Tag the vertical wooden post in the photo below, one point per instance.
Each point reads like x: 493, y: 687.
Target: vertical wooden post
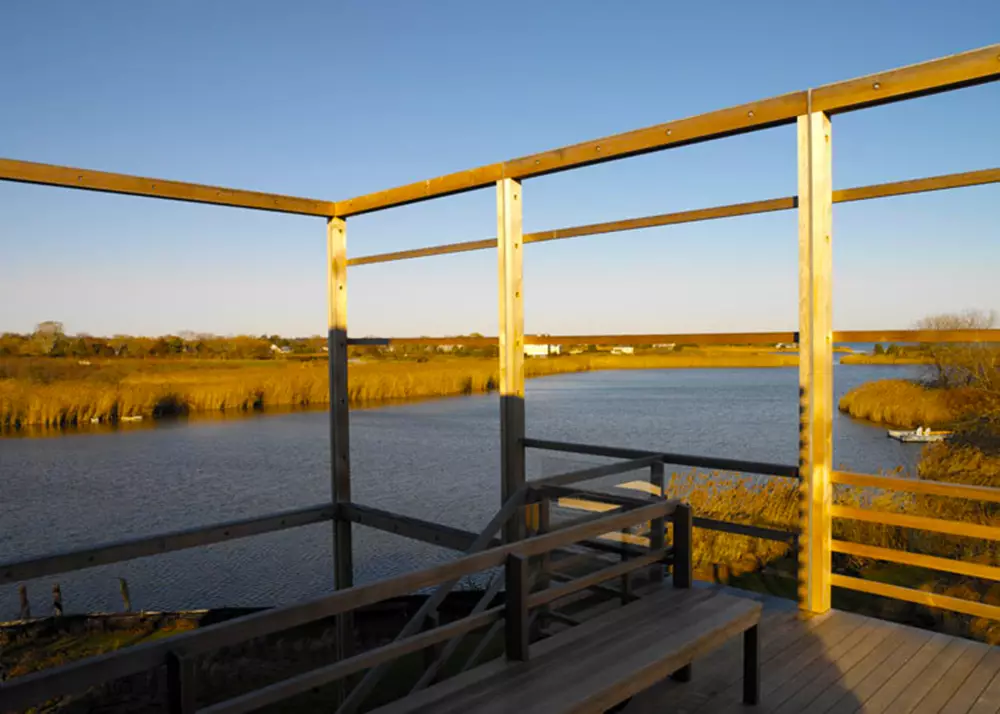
x: 815, y: 359
x: 511, y: 344
x: 22, y: 594
x: 683, y: 574
x: 126, y: 598
x: 57, y: 603
x: 658, y: 527
x: 340, y: 453
x: 180, y: 684
x: 543, y: 580
x: 516, y: 608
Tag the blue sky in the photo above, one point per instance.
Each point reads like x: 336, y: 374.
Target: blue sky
x: 335, y: 100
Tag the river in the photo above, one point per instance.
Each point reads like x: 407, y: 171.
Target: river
x: 434, y: 459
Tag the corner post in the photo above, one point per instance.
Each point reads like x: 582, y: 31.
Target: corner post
x: 340, y: 453
x: 815, y: 359
x: 511, y: 348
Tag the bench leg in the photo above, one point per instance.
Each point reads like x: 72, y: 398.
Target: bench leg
x: 751, y: 665
x: 682, y: 675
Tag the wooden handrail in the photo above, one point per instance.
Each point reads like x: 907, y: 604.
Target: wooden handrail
x: 919, y: 560
x: 933, y: 488
x: 938, y: 525
x: 920, y: 597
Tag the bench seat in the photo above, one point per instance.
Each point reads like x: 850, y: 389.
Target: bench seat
x: 604, y: 661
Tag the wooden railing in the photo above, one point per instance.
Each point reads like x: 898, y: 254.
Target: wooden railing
x: 921, y: 523
x: 178, y: 653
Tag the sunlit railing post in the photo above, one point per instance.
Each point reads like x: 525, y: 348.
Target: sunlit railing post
x: 815, y: 359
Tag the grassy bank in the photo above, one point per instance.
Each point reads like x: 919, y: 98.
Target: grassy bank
x: 906, y: 404
x: 64, y: 392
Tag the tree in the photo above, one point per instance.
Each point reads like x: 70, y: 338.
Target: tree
x: 969, y: 364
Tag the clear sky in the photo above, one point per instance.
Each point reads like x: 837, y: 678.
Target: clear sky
x: 330, y: 101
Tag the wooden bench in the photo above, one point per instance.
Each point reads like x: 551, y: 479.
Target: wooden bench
x: 604, y: 661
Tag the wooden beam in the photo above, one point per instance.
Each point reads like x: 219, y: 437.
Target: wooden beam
x: 116, y: 552
x: 846, y: 195
x: 815, y: 358
x: 88, y: 180
x: 917, y: 560
x: 511, y: 346
x: 903, y: 520
x: 920, y: 597
x: 912, y: 485
x: 938, y: 75
x: 933, y: 336
x: 411, y: 527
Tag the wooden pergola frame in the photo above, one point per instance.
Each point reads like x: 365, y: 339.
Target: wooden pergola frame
x: 811, y: 110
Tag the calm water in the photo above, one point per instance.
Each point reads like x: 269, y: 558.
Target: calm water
x: 437, y: 460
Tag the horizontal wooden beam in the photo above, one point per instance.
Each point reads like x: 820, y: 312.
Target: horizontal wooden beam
x: 920, y: 597
x: 911, y: 485
x: 847, y: 195
x: 744, y: 529
x: 710, y: 462
x: 902, y: 520
x: 945, y: 565
x: 700, y: 339
x: 411, y: 527
x: 938, y: 75
x: 103, y: 181
x: 130, y: 549
x: 930, y: 336
x: 593, y: 472
x: 587, y: 582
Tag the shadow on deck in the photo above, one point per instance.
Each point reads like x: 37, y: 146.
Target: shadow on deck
x: 838, y: 662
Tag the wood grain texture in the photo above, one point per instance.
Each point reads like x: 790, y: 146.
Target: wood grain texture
x: 944, y: 602
x: 904, y: 520
x: 947, y: 565
x: 931, y: 488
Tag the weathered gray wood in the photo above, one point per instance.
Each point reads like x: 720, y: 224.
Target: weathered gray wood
x: 910, y: 697
x: 709, y: 462
x: 952, y: 680
x: 180, y: 684
x: 615, y: 658
x: 907, y: 644
x: 713, y: 524
x: 989, y: 701
x: 658, y: 526
x: 132, y: 548
x: 827, y: 670
x: 411, y: 527
x: 683, y: 572
x: 516, y: 609
x: 974, y: 684
x: 307, y: 681
x: 588, y: 581
x: 882, y: 699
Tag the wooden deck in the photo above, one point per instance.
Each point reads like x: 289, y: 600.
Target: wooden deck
x: 839, y: 662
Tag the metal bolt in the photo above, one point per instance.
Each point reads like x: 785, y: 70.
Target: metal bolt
x: 537, y: 161
x: 79, y: 178
x: 598, y: 147
x: 750, y: 113
x: 669, y: 132
x: 876, y: 85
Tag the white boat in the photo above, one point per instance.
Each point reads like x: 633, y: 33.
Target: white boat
x: 920, y: 435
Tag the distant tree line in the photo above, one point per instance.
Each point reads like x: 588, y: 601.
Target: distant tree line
x: 50, y: 340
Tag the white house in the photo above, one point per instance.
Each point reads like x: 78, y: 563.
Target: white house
x: 541, y: 350
x: 623, y: 350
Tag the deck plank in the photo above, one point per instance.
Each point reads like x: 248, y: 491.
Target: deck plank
x: 974, y: 684
x: 989, y: 701
x: 820, y: 676
x: 888, y: 692
x: 911, y: 697
x: 952, y: 680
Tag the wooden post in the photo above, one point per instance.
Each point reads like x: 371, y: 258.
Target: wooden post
x: 340, y: 454
x: 180, y: 684
x: 683, y: 564
x: 543, y: 580
x: 22, y: 595
x: 751, y: 666
x: 511, y: 347
x: 57, y: 603
x: 658, y: 527
x: 516, y: 608
x: 815, y: 359
x: 126, y: 599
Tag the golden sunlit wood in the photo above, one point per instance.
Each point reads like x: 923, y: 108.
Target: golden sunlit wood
x: 903, y: 520
x: 944, y: 602
x: 911, y: 485
x: 946, y: 565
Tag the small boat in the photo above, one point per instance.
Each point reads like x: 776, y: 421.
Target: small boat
x: 137, y: 417
x: 920, y: 435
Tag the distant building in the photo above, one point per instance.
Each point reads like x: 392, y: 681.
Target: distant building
x: 446, y: 348
x: 281, y: 350
x: 623, y: 350
x: 665, y: 346
x: 541, y: 350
